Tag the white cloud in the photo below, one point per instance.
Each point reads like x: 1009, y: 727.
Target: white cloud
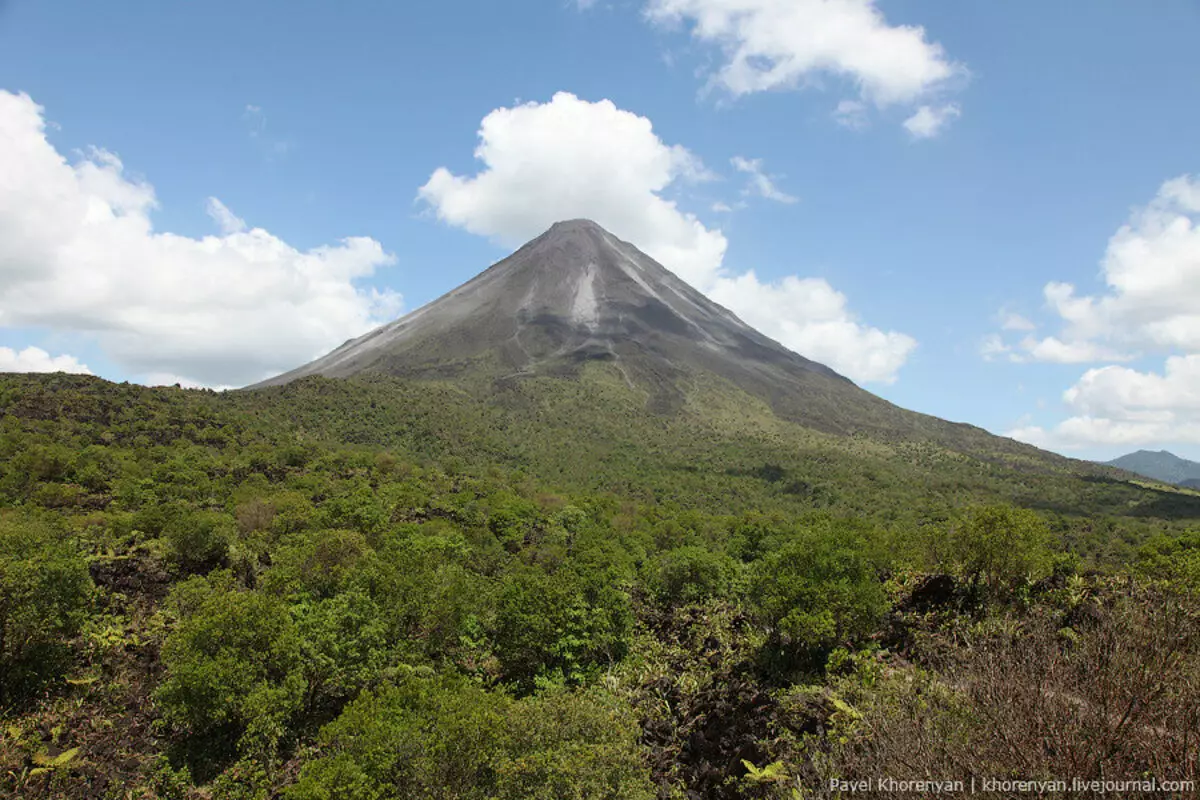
x: 78, y: 252
x: 810, y: 317
x: 721, y: 208
x: 35, y: 359
x: 928, y: 121
x: 1151, y: 305
x: 570, y: 158
x: 993, y: 347
x: 787, y: 44
x: 1152, y: 272
x: 1121, y: 406
x: 761, y: 183
x: 1011, y: 321
x: 851, y: 114
x: 226, y: 220
x: 1055, y: 351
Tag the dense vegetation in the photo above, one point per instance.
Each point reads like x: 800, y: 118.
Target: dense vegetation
x: 380, y: 589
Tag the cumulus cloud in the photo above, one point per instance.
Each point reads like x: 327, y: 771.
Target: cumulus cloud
x: 787, y: 44
x: 810, y: 317
x: 1054, y: 351
x: 79, y: 252
x: 570, y: 158
x: 1116, y: 405
x: 1152, y: 274
x: 1151, y: 305
x: 35, y: 359
x: 928, y: 121
x: 1011, y: 321
x: 760, y: 183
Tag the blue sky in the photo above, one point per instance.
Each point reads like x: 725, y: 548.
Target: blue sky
x: 216, y: 192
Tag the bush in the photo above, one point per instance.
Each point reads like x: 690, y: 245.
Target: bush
x: 572, y: 746
x: 690, y: 575
x: 430, y: 736
x: 1002, y: 547
x: 234, y: 670
x: 1173, y: 559
x: 817, y: 592
x: 547, y: 628
x: 44, y: 593
x: 343, y: 646
x: 423, y: 737
x: 199, y: 541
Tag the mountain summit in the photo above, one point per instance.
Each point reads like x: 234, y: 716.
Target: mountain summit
x: 572, y: 294
x: 577, y: 295
x: 1160, y: 466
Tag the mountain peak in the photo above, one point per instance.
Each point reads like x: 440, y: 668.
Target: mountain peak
x: 1161, y: 465
x: 575, y: 294
x: 579, y: 224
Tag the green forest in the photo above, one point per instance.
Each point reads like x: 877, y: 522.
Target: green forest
x: 375, y: 588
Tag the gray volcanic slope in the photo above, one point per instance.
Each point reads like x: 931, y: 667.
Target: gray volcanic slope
x: 577, y: 293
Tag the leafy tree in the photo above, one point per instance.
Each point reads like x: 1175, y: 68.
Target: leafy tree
x: 234, y: 670
x: 1001, y: 547
x: 817, y: 591
x: 343, y: 645
x: 200, y: 541
x: 572, y: 746
x: 1174, y: 559
x: 320, y: 563
x: 44, y: 593
x: 690, y: 575
x: 425, y: 736
x: 433, y: 736
x: 546, y: 628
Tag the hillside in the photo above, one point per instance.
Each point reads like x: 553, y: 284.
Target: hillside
x: 577, y: 299
x: 386, y: 583
x: 607, y: 542
x: 1161, y: 466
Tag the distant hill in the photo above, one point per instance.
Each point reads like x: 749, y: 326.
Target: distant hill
x: 1161, y: 466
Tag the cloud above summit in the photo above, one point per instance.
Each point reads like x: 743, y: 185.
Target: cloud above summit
x: 79, y: 253
x: 571, y: 158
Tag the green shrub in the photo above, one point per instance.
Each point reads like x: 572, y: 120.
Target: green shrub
x: 1001, y: 547
x: 817, y: 591
x: 690, y: 575
x: 423, y: 737
x: 1173, y: 559
x: 200, y: 541
x: 343, y: 645
x: 44, y: 594
x: 572, y: 746
x: 234, y: 669
x: 430, y: 736
x: 548, y: 627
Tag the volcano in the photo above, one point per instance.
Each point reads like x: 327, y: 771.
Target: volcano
x: 577, y: 295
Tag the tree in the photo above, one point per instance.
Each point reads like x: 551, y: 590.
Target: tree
x: 44, y: 594
x: 1001, y: 546
x: 816, y: 592
x: 234, y: 670
x: 690, y: 575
